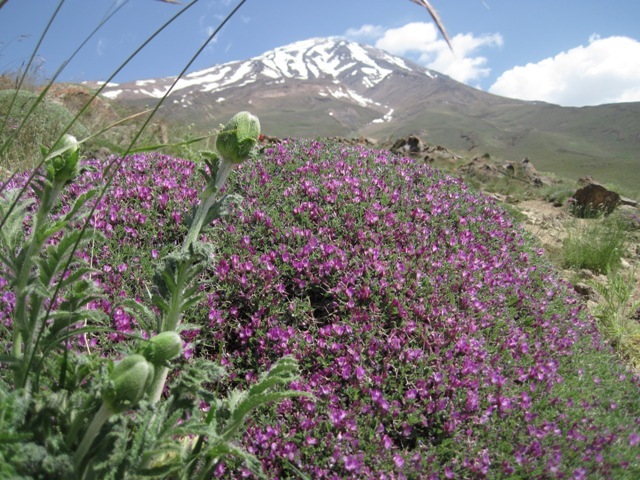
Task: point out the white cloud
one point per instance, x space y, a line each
421 41
607 70
365 33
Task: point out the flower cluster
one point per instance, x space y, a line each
436 341
435 338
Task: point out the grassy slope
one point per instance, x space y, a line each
599 141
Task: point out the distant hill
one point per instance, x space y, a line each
333 87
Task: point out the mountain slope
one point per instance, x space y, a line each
332 87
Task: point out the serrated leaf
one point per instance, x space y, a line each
222 207
63 320
139 310
55 256
8 359
75 280
221 450
160 302
51 229
79 203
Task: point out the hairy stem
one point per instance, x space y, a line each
99 419
198 221
157 385
23 323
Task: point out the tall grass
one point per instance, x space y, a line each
595 244
615 313
48 120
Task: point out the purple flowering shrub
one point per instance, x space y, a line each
434 337
436 340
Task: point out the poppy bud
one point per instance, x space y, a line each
64 166
163 347
238 137
130 379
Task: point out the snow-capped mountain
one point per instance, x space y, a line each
316 87
325 87
316 59
347 83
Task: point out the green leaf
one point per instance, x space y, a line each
62 320
8 359
218 451
239 414
222 207
79 203
54 258
80 286
143 314
12 233
161 303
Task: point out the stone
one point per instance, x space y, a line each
482 168
587 291
408 145
629 202
592 199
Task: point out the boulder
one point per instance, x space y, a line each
629 202
585 290
593 199
524 171
531 175
408 145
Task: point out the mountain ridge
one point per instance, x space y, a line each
334 87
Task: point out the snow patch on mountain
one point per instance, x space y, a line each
112 94
331 59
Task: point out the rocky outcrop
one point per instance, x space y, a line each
408 145
413 146
438 153
483 168
486 169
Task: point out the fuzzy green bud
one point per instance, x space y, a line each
238 137
130 379
64 166
163 347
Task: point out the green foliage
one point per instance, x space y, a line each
37 271
176 438
596 244
558 194
52 288
43 127
614 313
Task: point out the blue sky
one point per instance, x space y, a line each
568 52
